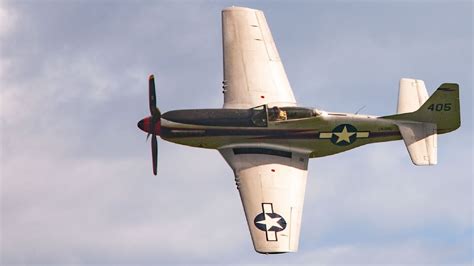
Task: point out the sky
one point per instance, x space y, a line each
76 176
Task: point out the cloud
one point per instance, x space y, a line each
75 171
113 211
8 18
407 252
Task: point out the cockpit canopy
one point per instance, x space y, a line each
263 114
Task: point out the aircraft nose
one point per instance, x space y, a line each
140 124
144 124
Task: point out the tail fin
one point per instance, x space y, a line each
442 109
438 114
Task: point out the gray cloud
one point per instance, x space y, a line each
75 170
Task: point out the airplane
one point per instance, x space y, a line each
267 139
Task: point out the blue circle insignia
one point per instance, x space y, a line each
270 222
344 134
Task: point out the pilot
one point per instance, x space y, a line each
278 114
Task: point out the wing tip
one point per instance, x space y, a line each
240 8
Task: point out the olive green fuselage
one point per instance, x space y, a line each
317 134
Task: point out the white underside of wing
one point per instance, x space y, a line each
253 71
272 191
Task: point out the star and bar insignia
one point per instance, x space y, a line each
344 134
270 222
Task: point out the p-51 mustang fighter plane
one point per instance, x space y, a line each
267 139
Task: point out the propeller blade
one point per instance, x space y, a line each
154 153
152 95
155 118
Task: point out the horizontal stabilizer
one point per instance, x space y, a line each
411 95
420 140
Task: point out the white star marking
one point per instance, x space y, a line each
269 222
344 135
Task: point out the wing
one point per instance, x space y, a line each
253 71
271 184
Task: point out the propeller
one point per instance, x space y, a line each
155 118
